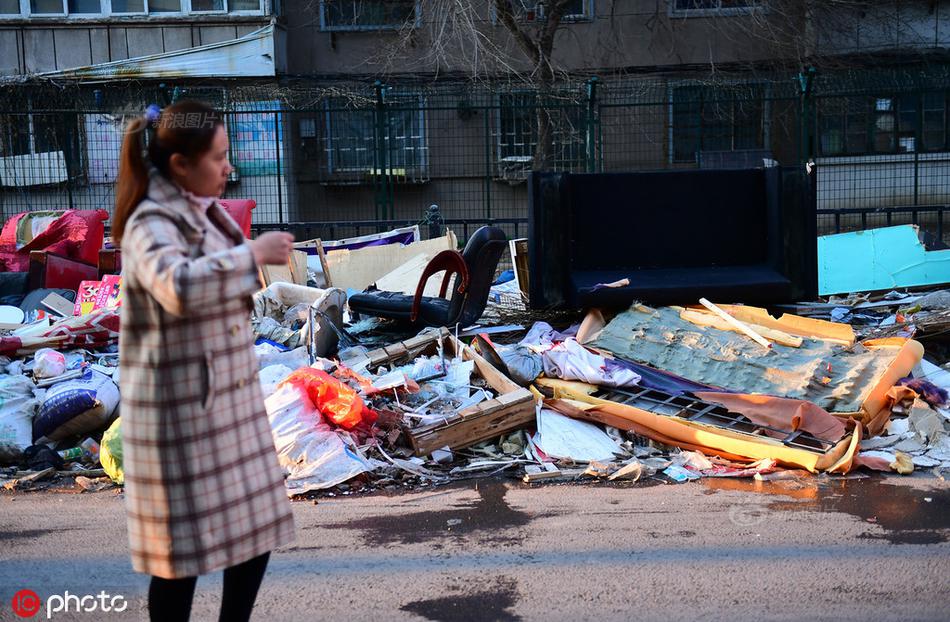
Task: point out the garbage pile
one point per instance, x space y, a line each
676 393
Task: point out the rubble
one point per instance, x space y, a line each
668 393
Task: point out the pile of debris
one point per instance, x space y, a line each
676 393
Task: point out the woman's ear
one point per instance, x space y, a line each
178 165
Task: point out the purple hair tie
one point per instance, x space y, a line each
152 113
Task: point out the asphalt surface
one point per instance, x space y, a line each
817 549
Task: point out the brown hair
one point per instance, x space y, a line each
186 127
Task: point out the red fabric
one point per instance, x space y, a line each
335 400
240 210
77 234
782 413
872 462
10 345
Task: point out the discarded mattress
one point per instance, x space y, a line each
838 379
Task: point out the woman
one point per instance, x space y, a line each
203 488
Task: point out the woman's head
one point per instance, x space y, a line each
187 144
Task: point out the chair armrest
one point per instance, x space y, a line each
450 261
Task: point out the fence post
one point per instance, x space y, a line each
280 192
381 168
917 143
591 134
806 80
488 172
433 218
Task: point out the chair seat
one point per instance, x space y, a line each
397 306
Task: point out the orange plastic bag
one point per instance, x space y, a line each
335 400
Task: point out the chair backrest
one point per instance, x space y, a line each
481 255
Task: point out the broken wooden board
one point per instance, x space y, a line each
793 324
298 267
519 261
402 352
703 318
315 255
358 269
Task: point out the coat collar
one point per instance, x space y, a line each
167 195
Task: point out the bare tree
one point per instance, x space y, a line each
461 35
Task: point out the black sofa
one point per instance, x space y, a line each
744 235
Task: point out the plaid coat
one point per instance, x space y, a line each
203 487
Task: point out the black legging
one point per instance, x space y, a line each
169 600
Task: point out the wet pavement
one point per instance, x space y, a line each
811 547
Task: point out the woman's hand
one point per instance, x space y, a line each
272 248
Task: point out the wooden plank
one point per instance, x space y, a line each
323 262
463 432
519 260
298 267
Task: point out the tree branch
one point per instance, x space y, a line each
506 16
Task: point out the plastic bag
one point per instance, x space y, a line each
310 452
524 365
335 400
48 363
17 407
110 452
271 376
74 407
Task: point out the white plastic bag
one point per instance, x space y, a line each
48 363
311 453
17 407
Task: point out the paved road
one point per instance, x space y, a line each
864 549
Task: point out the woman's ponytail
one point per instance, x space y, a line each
132 182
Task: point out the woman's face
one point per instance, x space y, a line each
207 176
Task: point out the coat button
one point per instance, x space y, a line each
241 383
235 330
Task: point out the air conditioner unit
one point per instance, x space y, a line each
33 169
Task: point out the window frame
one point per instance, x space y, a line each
81 171
587 14
578 163
418 169
764 120
755 5
106 10
871 111
326 27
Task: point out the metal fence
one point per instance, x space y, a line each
326 156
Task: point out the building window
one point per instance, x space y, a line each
47 7
934 127
367 14
534 10
85 8
716 119
882 125
701 8
518 115
39 148
366 142
225 6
